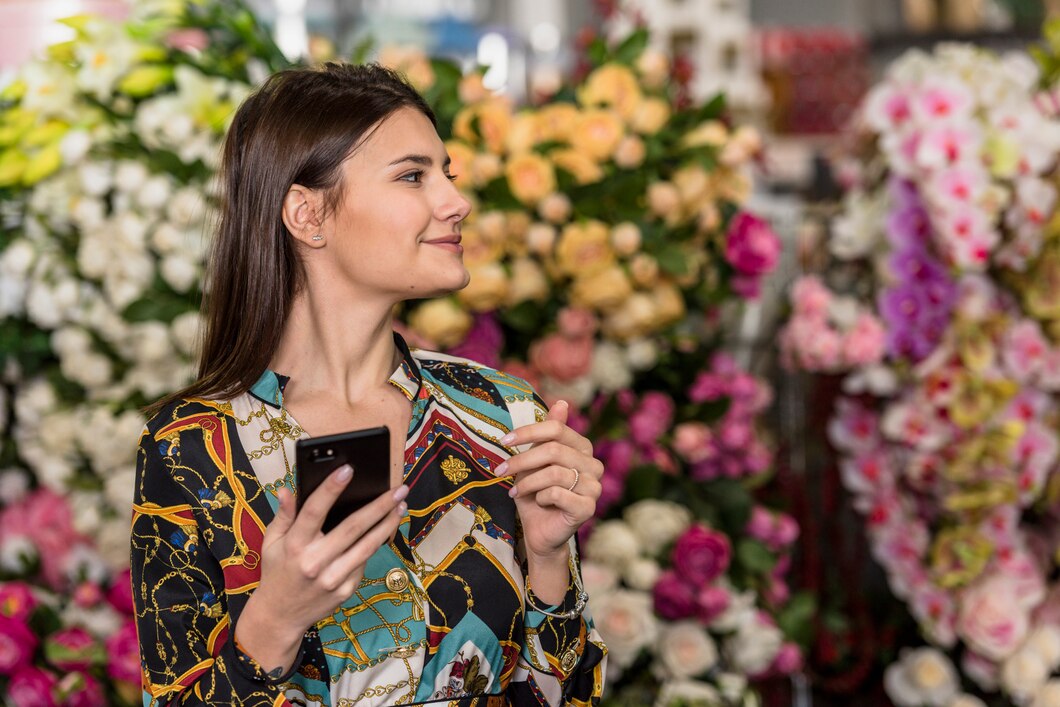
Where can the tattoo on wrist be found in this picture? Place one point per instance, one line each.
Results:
(274, 673)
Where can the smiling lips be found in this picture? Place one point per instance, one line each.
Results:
(451, 242)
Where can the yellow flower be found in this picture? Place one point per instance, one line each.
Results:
(487, 122)
(43, 164)
(630, 152)
(517, 224)
(411, 62)
(626, 238)
(487, 288)
(485, 167)
(712, 133)
(471, 89)
(525, 133)
(557, 120)
(693, 184)
(611, 85)
(584, 249)
(959, 555)
(650, 117)
(12, 165)
(13, 91)
(597, 133)
(664, 199)
(602, 291)
(441, 320)
(654, 68)
(528, 282)
(460, 158)
(1002, 153)
(733, 185)
(47, 132)
(633, 319)
(145, 80)
(669, 305)
(579, 165)
(530, 177)
(644, 269)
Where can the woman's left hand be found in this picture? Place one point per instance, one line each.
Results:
(553, 500)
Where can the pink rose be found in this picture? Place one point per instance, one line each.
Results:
(746, 286)
(761, 525)
(788, 659)
(652, 419)
(777, 592)
(17, 644)
(561, 358)
(983, 671)
(708, 386)
(44, 516)
(120, 593)
(87, 594)
(711, 602)
(810, 298)
(673, 598)
(865, 342)
(751, 246)
(123, 654)
(16, 600)
(1024, 574)
(991, 619)
(612, 487)
(787, 530)
(82, 690)
(191, 40)
(734, 433)
(577, 323)
(1024, 350)
(701, 554)
(31, 687)
(71, 649)
(692, 441)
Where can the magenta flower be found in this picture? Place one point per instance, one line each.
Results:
(120, 593)
(673, 598)
(751, 246)
(82, 690)
(17, 644)
(31, 687)
(701, 554)
(71, 648)
(16, 600)
(483, 342)
(711, 602)
(652, 419)
(123, 654)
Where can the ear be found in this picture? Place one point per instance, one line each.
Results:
(301, 214)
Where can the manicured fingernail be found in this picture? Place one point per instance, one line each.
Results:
(400, 492)
(345, 473)
(501, 468)
(401, 508)
(508, 438)
(513, 492)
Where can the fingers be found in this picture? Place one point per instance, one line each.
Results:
(560, 477)
(578, 508)
(343, 574)
(350, 530)
(310, 518)
(549, 454)
(559, 412)
(284, 517)
(550, 430)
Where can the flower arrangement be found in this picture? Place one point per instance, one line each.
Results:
(607, 244)
(948, 425)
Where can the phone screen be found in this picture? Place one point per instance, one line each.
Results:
(367, 451)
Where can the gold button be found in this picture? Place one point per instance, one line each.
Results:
(397, 580)
(403, 652)
(568, 660)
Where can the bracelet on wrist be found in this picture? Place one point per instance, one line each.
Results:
(582, 597)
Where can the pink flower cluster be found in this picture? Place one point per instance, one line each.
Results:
(753, 250)
(700, 557)
(43, 519)
(813, 341)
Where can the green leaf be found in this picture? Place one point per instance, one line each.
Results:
(754, 556)
(796, 618)
(643, 482)
(733, 504)
(597, 51)
(672, 260)
(632, 46)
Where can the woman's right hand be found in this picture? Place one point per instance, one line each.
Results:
(306, 573)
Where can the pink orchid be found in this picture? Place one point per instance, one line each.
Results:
(888, 107)
(936, 612)
(948, 145)
(943, 101)
(1023, 353)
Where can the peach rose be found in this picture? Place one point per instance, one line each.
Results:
(528, 282)
(525, 133)
(485, 167)
(630, 152)
(460, 158)
(478, 248)
(626, 238)
(471, 89)
(555, 207)
(733, 185)
(653, 67)
(693, 183)
(494, 119)
(603, 291)
(541, 238)
(584, 249)
(577, 323)
(611, 85)
(644, 269)
(709, 217)
(487, 288)
(578, 164)
(597, 133)
(744, 144)
(562, 358)
(530, 177)
(664, 198)
(669, 305)
(411, 62)
(991, 619)
(557, 119)
(650, 117)
(441, 320)
(492, 225)
(632, 319)
(711, 132)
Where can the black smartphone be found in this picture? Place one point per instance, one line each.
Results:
(367, 451)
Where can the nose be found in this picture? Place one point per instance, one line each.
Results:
(454, 206)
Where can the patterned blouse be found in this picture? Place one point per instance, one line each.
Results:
(441, 614)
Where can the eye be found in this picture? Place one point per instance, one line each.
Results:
(452, 177)
(413, 177)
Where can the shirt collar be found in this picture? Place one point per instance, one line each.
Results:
(270, 385)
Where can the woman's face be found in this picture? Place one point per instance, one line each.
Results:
(396, 230)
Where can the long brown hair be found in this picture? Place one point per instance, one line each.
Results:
(297, 128)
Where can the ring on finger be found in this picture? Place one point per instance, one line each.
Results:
(577, 476)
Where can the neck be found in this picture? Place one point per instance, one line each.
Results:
(329, 347)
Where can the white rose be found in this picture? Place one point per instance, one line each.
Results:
(741, 611)
(684, 650)
(598, 578)
(609, 369)
(1048, 695)
(154, 193)
(88, 212)
(93, 255)
(185, 330)
(112, 542)
(642, 573)
(51, 471)
(753, 647)
(578, 392)
(656, 523)
(14, 483)
(688, 692)
(57, 433)
(612, 544)
(34, 399)
(177, 128)
(921, 676)
(627, 625)
(89, 369)
(150, 341)
(1045, 641)
(85, 508)
(132, 229)
(642, 354)
(74, 145)
(95, 178)
(17, 553)
(965, 700)
(17, 258)
(41, 307)
(1023, 674)
(70, 340)
(130, 176)
(187, 207)
(119, 485)
(102, 621)
(732, 686)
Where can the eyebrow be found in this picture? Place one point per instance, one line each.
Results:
(424, 160)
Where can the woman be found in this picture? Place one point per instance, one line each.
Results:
(459, 585)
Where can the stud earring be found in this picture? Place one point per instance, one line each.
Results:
(318, 237)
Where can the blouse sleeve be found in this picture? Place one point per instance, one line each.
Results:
(186, 631)
(563, 659)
